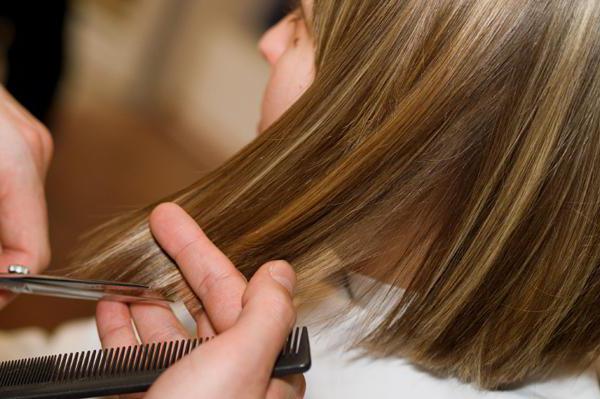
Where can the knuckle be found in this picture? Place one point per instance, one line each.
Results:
(210, 278)
(47, 143)
(190, 251)
(166, 333)
(280, 308)
(39, 140)
(36, 131)
(210, 281)
(111, 331)
(42, 131)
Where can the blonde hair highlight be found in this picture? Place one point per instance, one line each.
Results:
(451, 147)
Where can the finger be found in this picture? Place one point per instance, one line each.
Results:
(214, 279)
(115, 328)
(203, 326)
(31, 128)
(293, 386)
(24, 226)
(245, 352)
(267, 317)
(23, 215)
(113, 321)
(156, 323)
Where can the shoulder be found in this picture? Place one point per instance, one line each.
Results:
(335, 373)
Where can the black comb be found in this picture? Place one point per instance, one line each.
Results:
(121, 370)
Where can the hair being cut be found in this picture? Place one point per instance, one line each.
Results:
(451, 147)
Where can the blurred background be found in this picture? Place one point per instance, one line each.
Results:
(142, 98)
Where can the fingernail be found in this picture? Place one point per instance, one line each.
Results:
(279, 274)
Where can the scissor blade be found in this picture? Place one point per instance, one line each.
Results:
(81, 289)
(41, 278)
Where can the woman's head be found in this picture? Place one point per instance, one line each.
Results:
(452, 147)
(289, 49)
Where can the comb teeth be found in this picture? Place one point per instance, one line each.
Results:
(95, 364)
(291, 345)
(295, 355)
(115, 371)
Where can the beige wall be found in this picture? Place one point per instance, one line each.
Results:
(195, 61)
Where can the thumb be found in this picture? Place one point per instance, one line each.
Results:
(238, 362)
(267, 316)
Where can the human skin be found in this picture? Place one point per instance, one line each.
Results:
(289, 50)
(26, 145)
(251, 320)
(260, 312)
(25, 153)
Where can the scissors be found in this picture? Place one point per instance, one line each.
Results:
(19, 281)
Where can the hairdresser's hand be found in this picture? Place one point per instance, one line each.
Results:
(25, 152)
(238, 363)
(252, 319)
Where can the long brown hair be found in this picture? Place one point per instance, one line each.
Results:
(448, 146)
